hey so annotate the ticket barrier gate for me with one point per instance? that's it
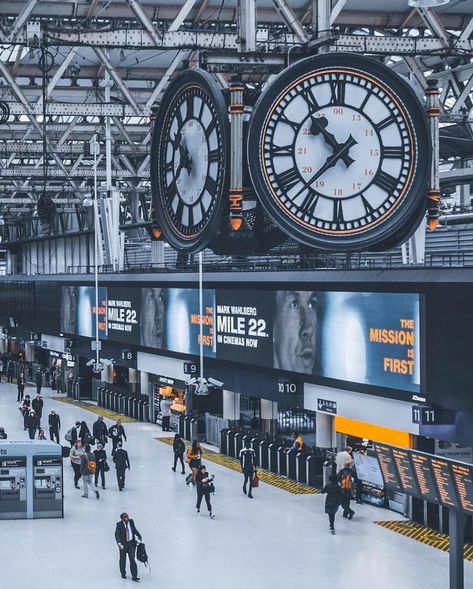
(292, 465)
(224, 441)
(31, 479)
(13, 504)
(238, 443)
(273, 457)
(47, 485)
(231, 443)
(264, 454)
(282, 461)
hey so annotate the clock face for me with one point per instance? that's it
(339, 152)
(189, 160)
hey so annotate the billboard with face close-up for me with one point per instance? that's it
(360, 337)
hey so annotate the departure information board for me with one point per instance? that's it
(424, 476)
(405, 470)
(444, 480)
(432, 478)
(463, 477)
(388, 468)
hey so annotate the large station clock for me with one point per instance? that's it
(189, 166)
(339, 153)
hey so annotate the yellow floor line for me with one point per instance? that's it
(265, 476)
(96, 409)
(424, 535)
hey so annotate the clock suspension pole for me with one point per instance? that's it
(433, 114)
(236, 110)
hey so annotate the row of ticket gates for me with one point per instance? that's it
(124, 402)
(31, 480)
(270, 454)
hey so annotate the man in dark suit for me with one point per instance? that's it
(125, 536)
(122, 462)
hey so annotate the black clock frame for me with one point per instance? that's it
(406, 216)
(204, 81)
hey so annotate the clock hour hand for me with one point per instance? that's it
(319, 126)
(333, 159)
(185, 159)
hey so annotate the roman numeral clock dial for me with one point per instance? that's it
(339, 153)
(189, 161)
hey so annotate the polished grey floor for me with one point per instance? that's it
(276, 541)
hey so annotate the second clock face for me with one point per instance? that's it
(190, 153)
(338, 153)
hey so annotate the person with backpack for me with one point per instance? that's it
(193, 459)
(332, 501)
(99, 431)
(101, 462)
(117, 433)
(122, 462)
(88, 467)
(248, 467)
(125, 537)
(72, 434)
(204, 485)
(54, 426)
(75, 455)
(178, 449)
(345, 477)
(20, 383)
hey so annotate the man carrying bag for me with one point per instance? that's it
(125, 534)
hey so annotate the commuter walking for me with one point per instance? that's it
(59, 381)
(84, 433)
(20, 383)
(38, 381)
(194, 460)
(32, 424)
(122, 462)
(345, 477)
(54, 426)
(125, 536)
(76, 453)
(25, 411)
(41, 435)
(101, 464)
(332, 501)
(37, 406)
(204, 481)
(99, 431)
(87, 469)
(72, 435)
(3, 434)
(248, 467)
(166, 413)
(344, 458)
(3, 366)
(178, 449)
(117, 433)
(10, 370)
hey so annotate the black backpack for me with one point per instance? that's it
(141, 554)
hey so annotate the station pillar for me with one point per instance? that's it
(134, 379)
(269, 417)
(231, 408)
(325, 431)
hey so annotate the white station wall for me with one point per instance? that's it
(368, 408)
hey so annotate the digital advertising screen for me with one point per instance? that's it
(368, 469)
(365, 338)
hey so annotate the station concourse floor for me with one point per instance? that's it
(276, 541)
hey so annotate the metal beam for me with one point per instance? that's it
(116, 78)
(164, 81)
(31, 171)
(291, 20)
(181, 17)
(336, 9)
(435, 25)
(143, 19)
(21, 19)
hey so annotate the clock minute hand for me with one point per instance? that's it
(319, 127)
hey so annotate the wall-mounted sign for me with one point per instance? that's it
(191, 367)
(288, 387)
(128, 355)
(327, 406)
